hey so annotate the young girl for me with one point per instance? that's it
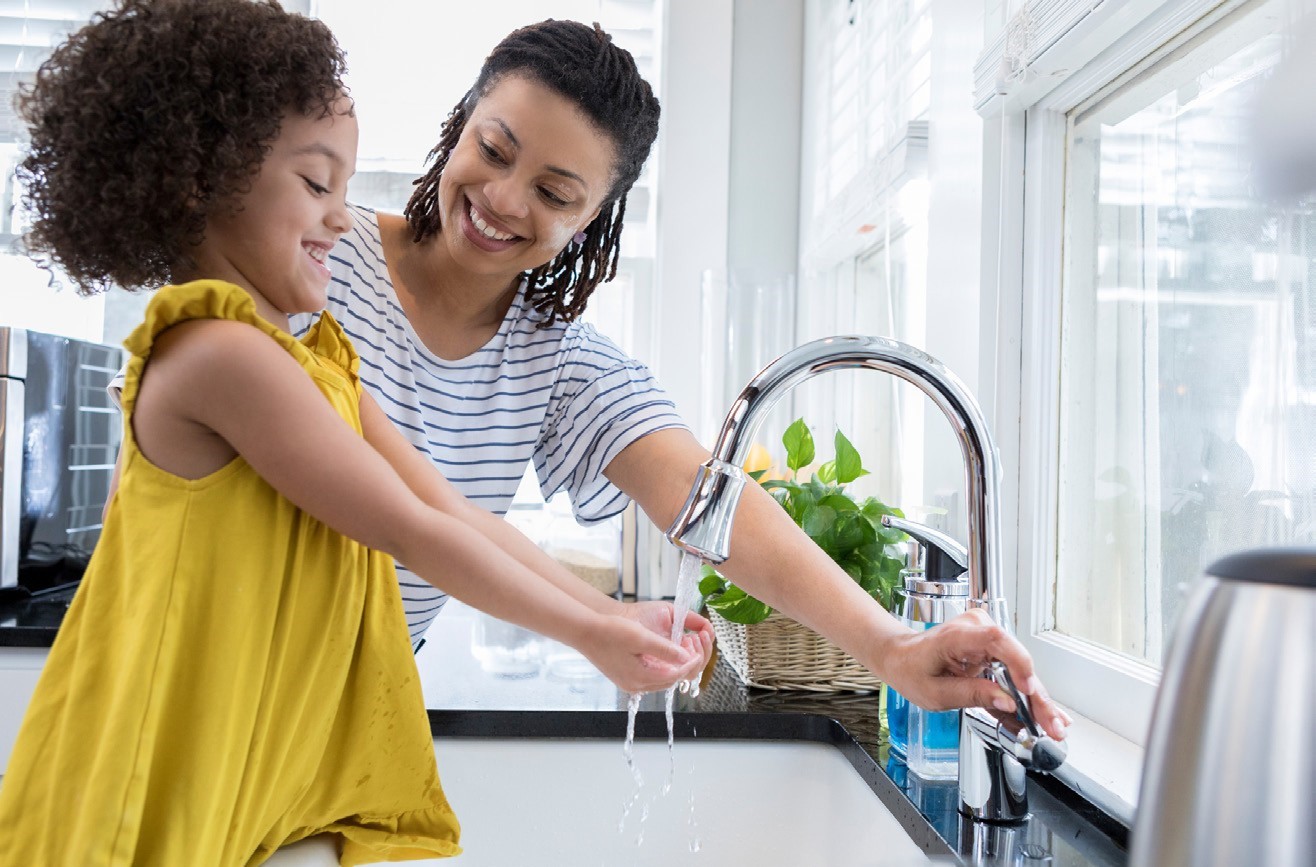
(234, 673)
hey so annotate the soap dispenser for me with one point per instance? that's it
(934, 591)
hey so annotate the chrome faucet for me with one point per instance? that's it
(993, 754)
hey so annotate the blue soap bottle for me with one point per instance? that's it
(935, 590)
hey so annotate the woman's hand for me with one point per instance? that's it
(637, 659)
(941, 669)
(656, 616)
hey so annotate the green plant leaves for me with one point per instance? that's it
(739, 607)
(799, 445)
(848, 465)
(850, 533)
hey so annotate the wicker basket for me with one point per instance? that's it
(781, 654)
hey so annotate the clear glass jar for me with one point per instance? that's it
(591, 553)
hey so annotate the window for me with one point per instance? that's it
(1187, 416)
(28, 32)
(1155, 415)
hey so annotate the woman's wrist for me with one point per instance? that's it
(887, 648)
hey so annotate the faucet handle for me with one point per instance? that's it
(939, 556)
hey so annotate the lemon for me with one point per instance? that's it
(757, 459)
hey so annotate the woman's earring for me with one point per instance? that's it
(578, 238)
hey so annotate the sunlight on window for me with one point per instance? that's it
(1189, 377)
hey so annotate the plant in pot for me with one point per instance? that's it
(768, 649)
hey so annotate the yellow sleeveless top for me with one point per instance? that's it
(232, 675)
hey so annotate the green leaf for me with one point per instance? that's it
(818, 520)
(827, 472)
(756, 475)
(852, 531)
(848, 465)
(850, 534)
(839, 502)
(739, 607)
(799, 445)
(711, 583)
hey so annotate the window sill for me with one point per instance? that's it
(1103, 767)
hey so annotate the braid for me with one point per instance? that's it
(583, 65)
(561, 287)
(422, 210)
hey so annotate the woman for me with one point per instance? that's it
(464, 311)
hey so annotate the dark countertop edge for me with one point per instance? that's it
(28, 636)
(1107, 824)
(652, 725)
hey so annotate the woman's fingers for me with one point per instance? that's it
(973, 643)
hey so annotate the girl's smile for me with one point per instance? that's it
(275, 242)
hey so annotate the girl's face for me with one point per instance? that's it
(528, 173)
(277, 243)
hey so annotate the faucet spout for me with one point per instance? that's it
(703, 525)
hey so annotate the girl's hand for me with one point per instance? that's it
(656, 616)
(636, 659)
(940, 669)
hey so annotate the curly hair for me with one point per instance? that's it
(584, 66)
(152, 118)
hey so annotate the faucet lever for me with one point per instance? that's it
(1001, 675)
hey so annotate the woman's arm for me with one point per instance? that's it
(775, 561)
(229, 380)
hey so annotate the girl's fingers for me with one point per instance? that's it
(696, 622)
(659, 648)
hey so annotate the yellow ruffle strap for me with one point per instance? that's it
(218, 299)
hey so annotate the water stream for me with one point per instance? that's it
(687, 593)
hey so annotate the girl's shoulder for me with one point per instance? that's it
(185, 302)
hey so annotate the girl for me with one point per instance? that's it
(234, 673)
(467, 306)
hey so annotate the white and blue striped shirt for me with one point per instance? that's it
(564, 396)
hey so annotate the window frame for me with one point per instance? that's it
(1028, 131)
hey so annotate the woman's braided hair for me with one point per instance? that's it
(154, 116)
(584, 66)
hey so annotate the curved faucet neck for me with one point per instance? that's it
(982, 469)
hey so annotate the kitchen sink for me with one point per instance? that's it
(763, 789)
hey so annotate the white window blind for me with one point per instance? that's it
(864, 224)
(868, 91)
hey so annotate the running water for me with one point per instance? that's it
(628, 750)
(687, 592)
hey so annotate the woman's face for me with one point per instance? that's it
(528, 173)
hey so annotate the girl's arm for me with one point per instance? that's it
(217, 382)
(427, 483)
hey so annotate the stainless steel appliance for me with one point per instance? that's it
(59, 436)
(1230, 771)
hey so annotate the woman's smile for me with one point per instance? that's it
(485, 230)
(527, 172)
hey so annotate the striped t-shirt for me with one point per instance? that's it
(564, 397)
